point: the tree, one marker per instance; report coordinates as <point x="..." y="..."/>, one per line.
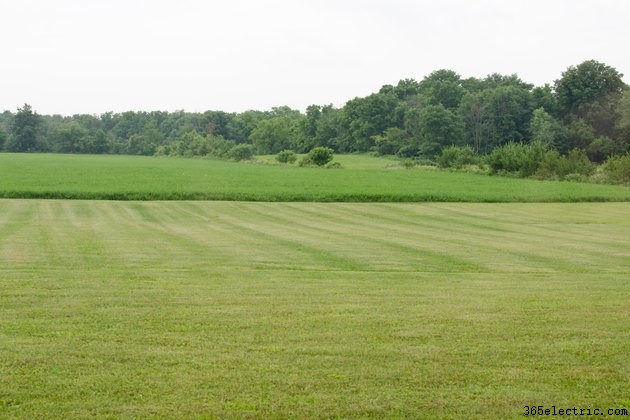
<point x="543" y="97"/>
<point x="70" y="138"/>
<point x="25" y="131"/>
<point x="579" y="134"/>
<point x="364" y="118"/>
<point x="544" y="128"/>
<point x="273" y="135"/>
<point x="100" y="144"/>
<point x="585" y="84"/>
<point x="443" y="87"/>
<point x="240" y="127"/>
<point x="3" y="138"/>
<point x="439" y="127"/>
<point x="509" y="111"/>
<point x="472" y="109"/>
<point x="391" y="141"/>
<point x="623" y="122"/>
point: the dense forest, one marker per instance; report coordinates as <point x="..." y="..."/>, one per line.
<point x="588" y="108"/>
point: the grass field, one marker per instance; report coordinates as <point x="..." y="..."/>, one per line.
<point x="364" y="179"/>
<point x="231" y="309"/>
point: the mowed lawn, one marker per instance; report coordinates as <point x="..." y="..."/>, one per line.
<point x="275" y="310"/>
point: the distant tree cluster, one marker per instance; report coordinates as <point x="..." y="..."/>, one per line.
<point x="588" y="109"/>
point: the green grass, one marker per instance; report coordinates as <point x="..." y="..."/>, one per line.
<point x="147" y="178"/>
<point x="350" y="161"/>
<point x="301" y="310"/>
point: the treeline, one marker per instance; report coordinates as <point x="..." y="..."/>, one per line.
<point x="588" y="108"/>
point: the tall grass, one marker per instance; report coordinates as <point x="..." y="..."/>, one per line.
<point x="146" y="178"/>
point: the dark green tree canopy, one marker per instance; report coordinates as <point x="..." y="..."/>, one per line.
<point x="586" y="83"/>
<point x="587" y="108"/>
<point x="25" y="130"/>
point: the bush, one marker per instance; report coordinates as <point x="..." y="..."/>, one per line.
<point x="286" y="156"/>
<point x="319" y="156"/>
<point x="574" y="167"/>
<point x="409" y="151"/>
<point x="617" y="169"/>
<point x="518" y="158"/>
<point x="241" y="152"/>
<point x="305" y="161"/>
<point x="333" y="165"/>
<point x="507" y="158"/>
<point x="534" y="154"/>
<point x="549" y="167"/>
<point x="577" y="163"/>
<point x="457" y="157"/>
<point x="601" y="149"/>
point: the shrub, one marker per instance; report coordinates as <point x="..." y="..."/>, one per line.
<point x="305" y="161"/>
<point x="601" y="148"/>
<point x="617" y="169"/>
<point x="575" y="166"/>
<point x="518" y="158"/>
<point x="549" y="166"/>
<point x="241" y="152"/>
<point x="457" y="157"/>
<point x="534" y="154"/>
<point x="577" y="163"/>
<point x="286" y="156"/>
<point x="506" y="158"/>
<point x="320" y="156"/>
<point x="333" y="165"/>
<point x="409" y="151"/>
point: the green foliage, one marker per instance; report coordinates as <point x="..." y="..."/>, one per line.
<point x="457" y="157"/>
<point x="617" y="169"/>
<point x="276" y="134"/>
<point x="589" y="110"/>
<point x="319" y="156"/>
<point x="601" y="149"/>
<point x="509" y="111"/>
<point x="517" y="158"/>
<point x="241" y="152"/>
<point x="70" y="138"/>
<point x="3" y="138"/>
<point x="507" y="158"/>
<point x="575" y="165"/>
<point x="25" y="132"/>
<point x="579" y="134"/>
<point x="286" y="156"/>
<point x="438" y="128"/>
<point x="544" y="128"/>
<point x="623" y="123"/>
<point x="586" y="83"/>
<point x="363" y="119"/>
<point x="321" y="126"/>
<point x="407" y="152"/>
<point x="443" y="87"/>
<point x="577" y="162"/>
<point x="391" y="141"/>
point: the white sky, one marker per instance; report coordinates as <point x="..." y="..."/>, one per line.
<point x="93" y="56"/>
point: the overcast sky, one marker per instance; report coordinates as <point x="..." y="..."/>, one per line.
<point x="93" y="56"/>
